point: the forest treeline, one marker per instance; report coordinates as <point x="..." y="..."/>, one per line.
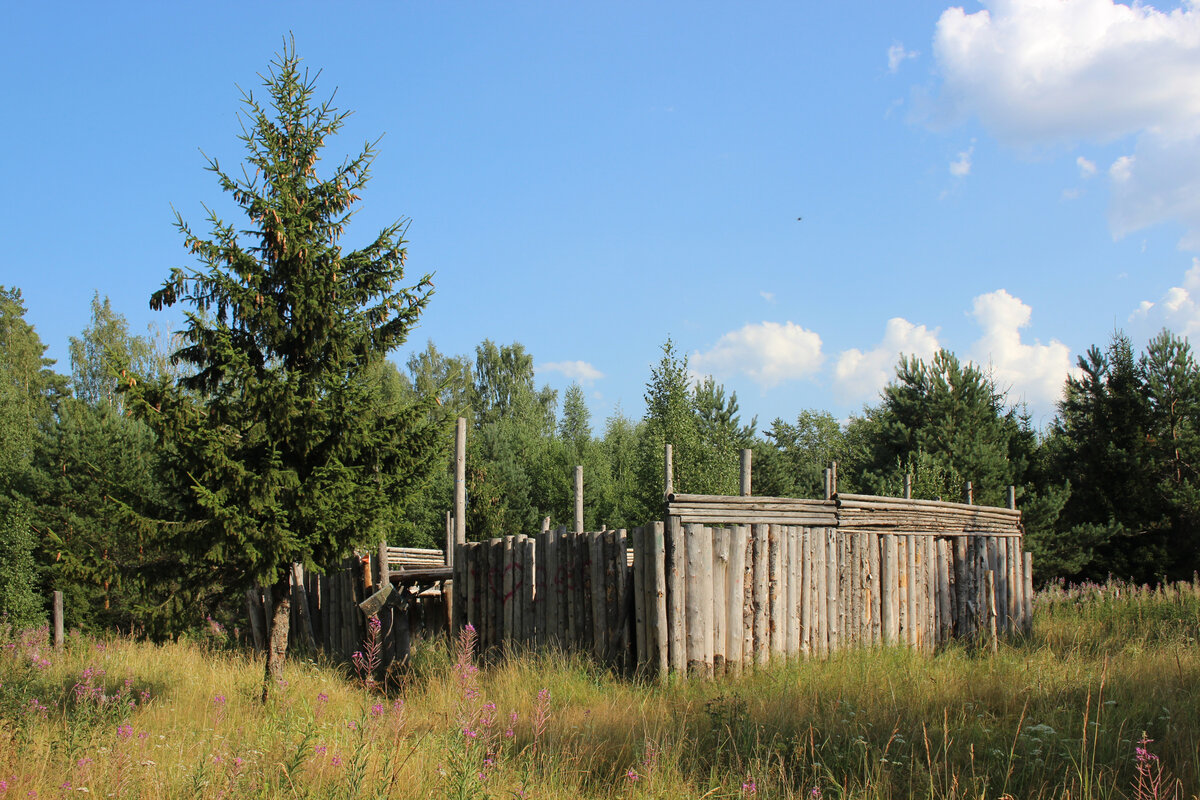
<point x="1110" y="487"/>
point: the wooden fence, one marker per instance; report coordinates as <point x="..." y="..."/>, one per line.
<point x="727" y="582"/>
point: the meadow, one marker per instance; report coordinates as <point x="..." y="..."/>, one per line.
<point x="1102" y="700"/>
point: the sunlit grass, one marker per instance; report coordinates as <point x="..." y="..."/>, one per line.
<point x="1059" y="714"/>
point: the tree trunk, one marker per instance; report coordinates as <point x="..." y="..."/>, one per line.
<point x="277" y="637"/>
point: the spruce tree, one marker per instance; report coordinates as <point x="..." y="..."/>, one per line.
<point x="276" y="426"/>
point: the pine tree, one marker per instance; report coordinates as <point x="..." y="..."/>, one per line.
<point x="277" y="429"/>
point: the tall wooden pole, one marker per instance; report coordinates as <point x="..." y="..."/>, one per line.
<point x="832" y="478"/>
<point x="460" y="481"/>
<point x="908" y="486"/>
<point x="1012" y="497"/>
<point x="579" y="499"/>
<point x="970" y="494"/>
<point x="745" y="482"/>
<point x="668" y="473"/>
<point x="58" y="620"/>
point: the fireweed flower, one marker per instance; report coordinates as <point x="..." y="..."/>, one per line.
<point x="632" y="775"/>
<point x="377" y="710"/>
<point x="749" y="787"/>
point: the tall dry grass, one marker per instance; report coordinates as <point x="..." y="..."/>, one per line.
<point x="1102" y="701"/>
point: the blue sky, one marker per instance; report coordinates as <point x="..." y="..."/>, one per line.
<point x="1011" y="180"/>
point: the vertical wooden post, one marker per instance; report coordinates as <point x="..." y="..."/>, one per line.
<point x="828" y="484"/>
<point x="762" y="633"/>
<point x="873" y="558"/>
<point x="833" y="477"/>
<point x="720" y="580"/>
<point x="791" y="591"/>
<point x="460" y="481"/>
<point x="301" y="593"/>
<point x="944" y="626"/>
<point x="668" y="473"/>
<point x="970" y="491"/>
<point x="888" y="594"/>
<point x="991" y="612"/>
<point x="695" y="609"/>
<point x="639" y="597"/>
<point x="745" y="472"/>
<point x="831" y="587"/>
<point x="735" y="588"/>
<point x="59" y="636"/>
<point x="656" y="587"/>
<point x="775" y="596"/>
<point x="1027" y="612"/>
<point x="450" y="541"/>
<point x="1012" y="498"/>
<point x="579" y="499"/>
<point x="676" y="577"/>
<point x="908" y="486"/>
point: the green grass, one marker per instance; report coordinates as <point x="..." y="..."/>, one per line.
<point x="1059" y="714"/>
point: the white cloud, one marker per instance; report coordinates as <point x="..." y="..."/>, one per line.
<point x="860" y="376"/>
<point x="580" y="371"/>
<point x="897" y="55"/>
<point x="769" y="353"/>
<point x="1034" y="372"/>
<point x="1179" y="307"/>
<point x="768" y="296"/>
<point x="961" y="167"/>
<point x="1086" y="168"/>
<point x="1121" y="169"/>
<point x="1052" y="72"/>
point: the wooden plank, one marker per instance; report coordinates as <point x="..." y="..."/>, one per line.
<point x="931" y="577"/>
<point x="855" y="613"/>
<point x="888" y="583"/>
<point x="578" y="499"/>
<point x="871" y="501"/>
<point x="528" y="609"/>
<point x="1027" y="579"/>
<point x="676" y="576"/>
<point x="694" y="607"/>
<point x="706" y="599"/>
<point x="540" y="583"/>
<point x="744" y="482"/>
<point x="1002" y="585"/>
<point x="735" y="583"/>
<point x="460" y="480"/>
<point x="625" y="601"/>
<point x="805" y="593"/>
<point x="509" y="621"/>
<point x="944" y="622"/>
<point x="711" y="517"/>
<point x="873" y="554"/>
<point x="775" y="596"/>
<point x="758" y="501"/>
<point x="904" y="571"/>
<point x="831" y="589"/>
<point x="761" y="598"/>
<point x="640" y="626"/>
<point x="614" y="596"/>
<point x="993" y="635"/>
<point x="720" y="582"/>
<point x="596" y="594"/>
<point x="747" y="624"/>
<point x="791" y="581"/>
<point x="656" y="605"/>
<point x="1014" y="585"/>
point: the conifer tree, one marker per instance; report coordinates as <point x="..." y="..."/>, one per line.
<point x="276" y="428"/>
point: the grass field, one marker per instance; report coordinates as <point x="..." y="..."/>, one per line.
<point x="1102" y="701"/>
